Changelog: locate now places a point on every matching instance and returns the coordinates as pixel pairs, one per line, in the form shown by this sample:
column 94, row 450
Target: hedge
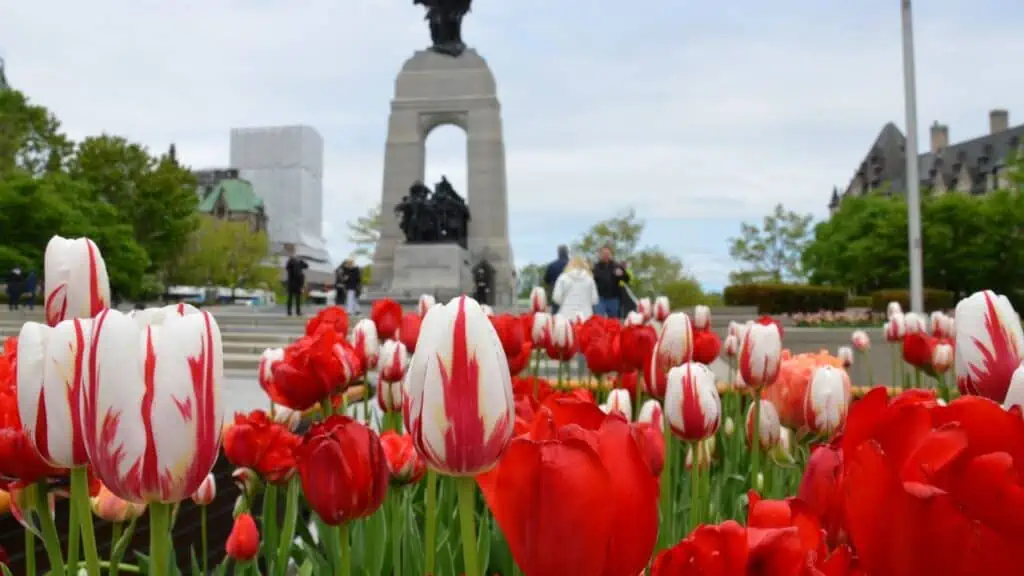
column 785, row 298
column 934, row 299
column 859, row 302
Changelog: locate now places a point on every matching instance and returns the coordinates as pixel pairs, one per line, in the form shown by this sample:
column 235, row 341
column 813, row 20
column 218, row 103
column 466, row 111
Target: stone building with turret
column 975, row 166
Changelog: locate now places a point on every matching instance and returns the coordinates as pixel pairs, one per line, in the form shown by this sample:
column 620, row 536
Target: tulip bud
column 75, row 281
column 425, row 303
column 634, row 318
column 619, row 403
column 760, row 354
column 989, row 345
column 730, row 427
column 662, row 308
column 845, row 355
column 782, row 453
column 914, row 323
column 459, row 407
column 942, row 358
column 701, row 317
column 366, row 343
column 643, row 307
column 893, row 309
column 538, row 300
column 768, row 432
column 826, row 402
column 207, row 492
column 650, row 413
column 896, row 328
column 860, row 340
column 705, row 453
column 248, row 481
column 759, row 483
column 404, row 464
column 675, row 345
column 394, row 361
column 540, row 332
column 265, row 372
column 563, row 337
column 244, row 540
column 692, row 406
column 736, row 329
column 107, row 506
column 731, row 346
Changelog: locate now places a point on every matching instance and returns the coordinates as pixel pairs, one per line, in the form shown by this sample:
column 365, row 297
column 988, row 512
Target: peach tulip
column 107, row 506
column 790, row 389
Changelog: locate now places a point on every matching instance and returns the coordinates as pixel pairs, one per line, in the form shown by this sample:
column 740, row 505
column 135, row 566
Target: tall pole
column 913, row 180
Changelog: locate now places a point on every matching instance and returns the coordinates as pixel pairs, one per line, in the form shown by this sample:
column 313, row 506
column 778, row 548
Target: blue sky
column 699, row 114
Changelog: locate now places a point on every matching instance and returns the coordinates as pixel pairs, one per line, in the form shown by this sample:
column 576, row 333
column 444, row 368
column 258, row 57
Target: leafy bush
column 934, row 299
column 786, row 298
column 859, row 301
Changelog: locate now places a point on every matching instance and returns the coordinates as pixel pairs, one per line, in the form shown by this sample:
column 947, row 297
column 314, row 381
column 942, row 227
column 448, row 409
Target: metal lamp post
column 913, row 179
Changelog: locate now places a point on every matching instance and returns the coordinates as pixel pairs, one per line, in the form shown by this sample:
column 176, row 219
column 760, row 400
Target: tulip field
column 634, row 459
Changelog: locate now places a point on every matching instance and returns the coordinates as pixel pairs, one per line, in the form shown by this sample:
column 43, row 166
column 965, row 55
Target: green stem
column 695, row 487
column 895, row 367
column 80, row 499
column 112, row 566
column 269, row 524
column 343, row 550
column 205, row 544
column 639, row 396
column 74, row 535
column 159, row 528
column 536, row 372
column 51, row 541
column 30, row 552
column 397, row 512
column 430, row 517
column 665, row 534
column 291, row 510
column 115, row 535
column 466, row 488
column 755, row 442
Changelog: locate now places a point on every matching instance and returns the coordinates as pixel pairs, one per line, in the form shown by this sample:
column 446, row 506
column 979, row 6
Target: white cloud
column 704, row 113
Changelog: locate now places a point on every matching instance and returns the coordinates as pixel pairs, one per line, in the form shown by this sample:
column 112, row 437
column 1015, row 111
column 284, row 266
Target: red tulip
column 706, row 346
column 387, row 315
column 820, row 490
column 332, row 317
column 313, row 368
column 917, row 350
column 404, row 463
column 521, row 361
column 244, row 540
column 636, row 344
column 510, row 331
column 343, row 470
column 256, row 442
column 729, row 549
column 577, row 495
column 603, row 353
column 409, row 331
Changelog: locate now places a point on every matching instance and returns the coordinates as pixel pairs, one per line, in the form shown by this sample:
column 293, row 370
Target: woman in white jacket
column 575, row 291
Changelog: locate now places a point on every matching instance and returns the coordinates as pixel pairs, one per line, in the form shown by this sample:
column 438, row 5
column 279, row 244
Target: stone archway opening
column 445, row 155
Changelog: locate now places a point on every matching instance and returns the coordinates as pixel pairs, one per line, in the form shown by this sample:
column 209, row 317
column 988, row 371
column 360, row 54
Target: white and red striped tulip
column 634, row 318
column 619, row 403
column 150, row 316
column 540, row 332
column 892, row 309
column 207, row 491
column 673, row 348
column 915, row 323
column 701, row 317
column 737, row 329
column 845, row 355
column 860, row 340
column 366, row 343
column 662, row 308
column 895, row 328
column 827, row 402
column 265, row 371
column 563, row 335
column 731, row 346
column 770, row 428
column 643, row 306
column 782, row 453
column 75, row 281
column 489, row 312
column 942, row 358
column 760, row 355
column 692, row 406
column 426, row 303
column 1015, row 392
column 651, row 413
column 459, row 407
column 989, row 344
column 52, row 371
column 538, row 300
column 152, row 415
column 394, row 361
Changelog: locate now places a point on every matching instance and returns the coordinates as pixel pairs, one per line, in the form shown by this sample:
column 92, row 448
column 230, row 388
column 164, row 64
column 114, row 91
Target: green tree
column 772, row 251
column 226, row 253
column 364, row 232
column 529, row 276
column 653, row 270
column 154, row 194
column 30, row 136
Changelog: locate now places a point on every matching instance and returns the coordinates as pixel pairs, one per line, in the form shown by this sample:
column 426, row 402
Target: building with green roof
column 232, row 198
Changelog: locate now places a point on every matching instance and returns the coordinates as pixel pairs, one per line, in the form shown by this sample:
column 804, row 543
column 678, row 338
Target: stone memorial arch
column 435, row 89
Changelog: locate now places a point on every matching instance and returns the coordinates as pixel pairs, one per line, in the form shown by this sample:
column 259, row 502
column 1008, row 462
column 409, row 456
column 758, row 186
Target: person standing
column 15, row 285
column 295, row 269
column 30, row 289
column 609, row 276
column 575, row 291
column 350, row 280
column 553, row 271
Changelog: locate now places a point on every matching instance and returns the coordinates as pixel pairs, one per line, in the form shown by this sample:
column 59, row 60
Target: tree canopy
column 364, row 232
column 771, row 252
column 969, row 243
column 227, row 253
column 137, row 207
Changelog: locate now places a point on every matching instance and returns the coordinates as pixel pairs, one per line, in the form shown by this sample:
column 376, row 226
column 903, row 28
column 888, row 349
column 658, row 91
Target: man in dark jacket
column 348, row 282
column 15, row 286
column 554, row 270
column 295, row 268
column 609, row 275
